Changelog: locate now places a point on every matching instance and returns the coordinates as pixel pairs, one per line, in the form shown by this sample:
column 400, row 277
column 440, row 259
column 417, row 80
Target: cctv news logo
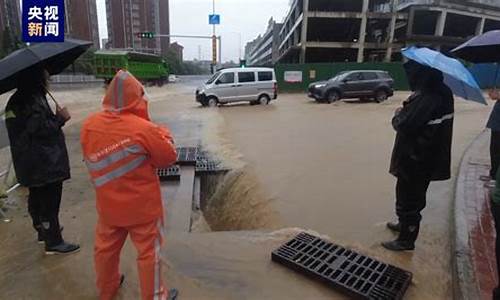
column 43, row 21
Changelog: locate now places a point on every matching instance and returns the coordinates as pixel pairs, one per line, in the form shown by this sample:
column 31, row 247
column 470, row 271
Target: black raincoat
column 424, row 127
column 37, row 141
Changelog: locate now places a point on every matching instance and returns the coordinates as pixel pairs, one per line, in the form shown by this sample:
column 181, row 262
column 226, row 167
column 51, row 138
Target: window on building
column 265, row 76
column 226, row 78
column 246, row 77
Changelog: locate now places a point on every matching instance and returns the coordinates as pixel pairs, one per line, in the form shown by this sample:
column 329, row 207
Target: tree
column 84, row 64
column 181, row 68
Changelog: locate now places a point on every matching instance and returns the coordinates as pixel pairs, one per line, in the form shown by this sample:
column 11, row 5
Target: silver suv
column 254, row 85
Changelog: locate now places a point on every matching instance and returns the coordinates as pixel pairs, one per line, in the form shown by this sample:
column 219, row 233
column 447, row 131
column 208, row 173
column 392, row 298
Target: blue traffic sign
column 214, row 19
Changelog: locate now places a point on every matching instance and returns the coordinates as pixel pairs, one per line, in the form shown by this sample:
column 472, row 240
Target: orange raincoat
column 122, row 149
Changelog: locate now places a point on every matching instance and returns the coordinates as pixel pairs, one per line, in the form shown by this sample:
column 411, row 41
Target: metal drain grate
column 357, row 275
column 202, row 155
column 187, row 156
column 209, row 166
column 171, row 174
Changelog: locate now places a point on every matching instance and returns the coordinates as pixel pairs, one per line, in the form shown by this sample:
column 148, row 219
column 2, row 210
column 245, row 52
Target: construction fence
column 297, row 77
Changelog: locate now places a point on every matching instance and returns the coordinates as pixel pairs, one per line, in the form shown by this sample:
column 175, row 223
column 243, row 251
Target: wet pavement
column 300, row 165
column 475, row 260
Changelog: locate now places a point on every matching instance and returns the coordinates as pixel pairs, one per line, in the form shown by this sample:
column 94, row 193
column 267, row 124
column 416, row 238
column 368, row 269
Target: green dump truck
column 148, row 68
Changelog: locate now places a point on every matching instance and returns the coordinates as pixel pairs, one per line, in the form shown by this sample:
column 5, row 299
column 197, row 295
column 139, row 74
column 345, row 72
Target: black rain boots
column 396, row 227
column 406, row 239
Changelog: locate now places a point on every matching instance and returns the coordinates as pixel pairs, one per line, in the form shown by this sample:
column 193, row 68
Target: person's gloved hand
column 63, row 113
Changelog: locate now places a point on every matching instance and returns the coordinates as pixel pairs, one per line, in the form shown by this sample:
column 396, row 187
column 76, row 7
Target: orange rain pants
column 148, row 239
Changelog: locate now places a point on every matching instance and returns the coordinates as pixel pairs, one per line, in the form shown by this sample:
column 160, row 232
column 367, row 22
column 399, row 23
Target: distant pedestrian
column 39, row 154
column 122, row 149
column 494, row 125
column 422, row 150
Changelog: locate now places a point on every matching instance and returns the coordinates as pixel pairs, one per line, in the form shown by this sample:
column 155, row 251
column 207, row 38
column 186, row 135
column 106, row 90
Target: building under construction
column 317, row 31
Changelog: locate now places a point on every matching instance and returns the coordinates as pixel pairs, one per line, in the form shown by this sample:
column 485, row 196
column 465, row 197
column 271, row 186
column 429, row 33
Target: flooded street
column 298, row 165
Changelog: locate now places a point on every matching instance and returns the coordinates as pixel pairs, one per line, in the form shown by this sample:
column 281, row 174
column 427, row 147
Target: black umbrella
column 54, row 57
column 484, row 48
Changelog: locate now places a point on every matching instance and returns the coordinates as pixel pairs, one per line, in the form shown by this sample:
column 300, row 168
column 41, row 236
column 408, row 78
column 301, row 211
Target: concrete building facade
column 127, row 18
column 10, row 19
column 340, row 30
column 318, row 31
column 265, row 50
column 250, row 46
column 81, row 21
column 444, row 24
column 178, row 49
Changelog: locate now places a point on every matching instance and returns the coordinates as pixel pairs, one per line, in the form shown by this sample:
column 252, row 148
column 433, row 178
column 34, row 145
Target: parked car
column 254, row 85
column 376, row 85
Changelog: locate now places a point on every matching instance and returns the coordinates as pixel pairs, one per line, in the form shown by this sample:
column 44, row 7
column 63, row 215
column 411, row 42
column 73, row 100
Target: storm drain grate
column 357, row 275
column 202, row 155
column 187, row 156
column 209, row 166
column 171, row 174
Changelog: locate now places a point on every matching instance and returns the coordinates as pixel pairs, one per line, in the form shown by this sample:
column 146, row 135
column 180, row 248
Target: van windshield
column 212, row 79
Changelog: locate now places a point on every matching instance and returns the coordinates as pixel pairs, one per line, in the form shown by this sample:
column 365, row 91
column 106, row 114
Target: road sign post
column 214, row 50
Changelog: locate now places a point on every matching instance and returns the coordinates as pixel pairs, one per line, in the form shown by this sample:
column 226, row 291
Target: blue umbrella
column 456, row 76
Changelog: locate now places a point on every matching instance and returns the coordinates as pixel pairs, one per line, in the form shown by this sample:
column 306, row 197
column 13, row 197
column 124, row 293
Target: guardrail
column 70, row 78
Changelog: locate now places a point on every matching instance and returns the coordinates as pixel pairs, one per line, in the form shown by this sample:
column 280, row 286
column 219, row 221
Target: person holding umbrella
column 39, row 155
column 424, row 131
column 37, row 142
column 485, row 48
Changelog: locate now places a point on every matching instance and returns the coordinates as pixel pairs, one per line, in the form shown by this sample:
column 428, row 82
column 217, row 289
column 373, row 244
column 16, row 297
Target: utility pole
column 214, row 42
column 131, row 24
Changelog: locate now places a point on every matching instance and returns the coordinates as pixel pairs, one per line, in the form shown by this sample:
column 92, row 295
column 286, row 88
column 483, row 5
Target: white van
column 254, row 85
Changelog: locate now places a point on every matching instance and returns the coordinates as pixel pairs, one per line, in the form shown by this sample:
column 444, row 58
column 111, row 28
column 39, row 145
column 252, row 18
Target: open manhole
column 354, row 274
column 222, row 198
column 192, row 156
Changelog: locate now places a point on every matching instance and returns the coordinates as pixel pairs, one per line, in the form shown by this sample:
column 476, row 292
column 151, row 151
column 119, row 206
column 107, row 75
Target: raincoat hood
column 126, row 94
column 421, row 77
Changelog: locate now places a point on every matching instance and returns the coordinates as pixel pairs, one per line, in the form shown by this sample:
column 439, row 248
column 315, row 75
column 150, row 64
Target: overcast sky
column 190, row 17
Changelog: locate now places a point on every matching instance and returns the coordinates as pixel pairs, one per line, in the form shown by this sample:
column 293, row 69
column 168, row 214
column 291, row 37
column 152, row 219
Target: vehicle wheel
column 333, row 96
column 381, row 96
column 212, row 102
column 264, row 100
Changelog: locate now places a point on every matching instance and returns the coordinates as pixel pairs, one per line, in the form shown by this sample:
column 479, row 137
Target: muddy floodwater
column 297, row 165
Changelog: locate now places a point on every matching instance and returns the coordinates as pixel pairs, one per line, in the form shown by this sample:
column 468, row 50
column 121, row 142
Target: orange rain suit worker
column 122, row 149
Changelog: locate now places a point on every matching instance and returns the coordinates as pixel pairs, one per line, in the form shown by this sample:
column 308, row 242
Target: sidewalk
column 474, row 247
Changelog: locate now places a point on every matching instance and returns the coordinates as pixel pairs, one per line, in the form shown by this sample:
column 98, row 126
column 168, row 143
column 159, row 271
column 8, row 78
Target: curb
column 465, row 284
